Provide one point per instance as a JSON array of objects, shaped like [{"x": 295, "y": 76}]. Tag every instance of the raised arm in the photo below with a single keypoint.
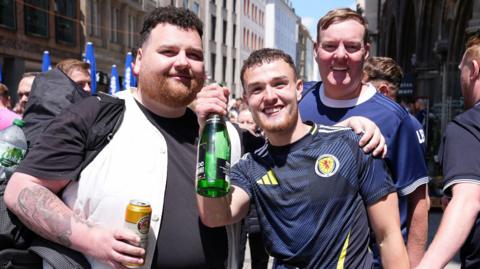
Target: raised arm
[
  {"x": 385, "y": 222},
  {"x": 226, "y": 210},
  {"x": 35, "y": 202}
]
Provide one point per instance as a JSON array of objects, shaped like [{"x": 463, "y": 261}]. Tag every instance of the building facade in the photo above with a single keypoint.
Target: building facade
[
  {"x": 62, "y": 27},
  {"x": 27, "y": 28},
  {"x": 281, "y": 27},
  {"x": 427, "y": 38},
  {"x": 252, "y": 35},
  {"x": 304, "y": 61},
  {"x": 113, "y": 27}
]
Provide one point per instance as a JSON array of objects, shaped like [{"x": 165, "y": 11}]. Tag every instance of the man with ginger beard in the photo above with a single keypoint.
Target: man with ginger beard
[{"x": 152, "y": 157}]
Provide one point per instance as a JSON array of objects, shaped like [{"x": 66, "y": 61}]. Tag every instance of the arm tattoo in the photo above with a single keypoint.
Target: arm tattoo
[{"x": 43, "y": 212}]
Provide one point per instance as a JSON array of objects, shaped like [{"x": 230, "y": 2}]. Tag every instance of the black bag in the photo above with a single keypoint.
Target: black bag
[{"x": 51, "y": 93}]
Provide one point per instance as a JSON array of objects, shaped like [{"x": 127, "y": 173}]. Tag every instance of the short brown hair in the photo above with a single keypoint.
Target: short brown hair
[
  {"x": 473, "y": 48},
  {"x": 383, "y": 68},
  {"x": 339, "y": 15},
  {"x": 266, "y": 55},
  {"x": 68, "y": 65},
  {"x": 3, "y": 90}
]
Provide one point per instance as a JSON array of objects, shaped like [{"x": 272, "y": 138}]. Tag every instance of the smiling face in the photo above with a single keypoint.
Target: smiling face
[
  {"x": 340, "y": 53},
  {"x": 272, "y": 93},
  {"x": 170, "y": 65}
]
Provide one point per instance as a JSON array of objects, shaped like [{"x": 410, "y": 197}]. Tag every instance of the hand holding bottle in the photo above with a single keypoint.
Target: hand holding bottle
[{"x": 212, "y": 99}]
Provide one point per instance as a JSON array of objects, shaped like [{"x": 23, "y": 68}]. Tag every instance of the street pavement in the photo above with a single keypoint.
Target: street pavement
[{"x": 434, "y": 221}]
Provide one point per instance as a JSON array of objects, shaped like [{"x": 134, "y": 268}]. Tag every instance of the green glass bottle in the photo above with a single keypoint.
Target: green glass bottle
[{"x": 213, "y": 161}]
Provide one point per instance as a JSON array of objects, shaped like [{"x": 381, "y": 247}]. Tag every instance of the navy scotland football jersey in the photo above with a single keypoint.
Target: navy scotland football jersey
[{"x": 311, "y": 198}]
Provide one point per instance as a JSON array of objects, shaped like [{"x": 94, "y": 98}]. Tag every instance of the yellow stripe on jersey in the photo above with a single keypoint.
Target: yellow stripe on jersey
[
  {"x": 272, "y": 177},
  {"x": 266, "y": 180},
  {"x": 313, "y": 130},
  {"x": 343, "y": 254}
]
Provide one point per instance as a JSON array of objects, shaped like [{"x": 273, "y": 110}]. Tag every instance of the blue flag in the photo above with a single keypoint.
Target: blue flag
[
  {"x": 90, "y": 58},
  {"x": 130, "y": 80},
  {"x": 46, "y": 64},
  {"x": 1, "y": 77},
  {"x": 114, "y": 82}
]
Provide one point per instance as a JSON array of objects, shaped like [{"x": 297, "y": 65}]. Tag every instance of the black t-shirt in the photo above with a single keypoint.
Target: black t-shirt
[
  {"x": 183, "y": 240},
  {"x": 461, "y": 164}
]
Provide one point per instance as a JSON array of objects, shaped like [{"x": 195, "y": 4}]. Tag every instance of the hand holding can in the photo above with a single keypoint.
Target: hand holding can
[{"x": 137, "y": 219}]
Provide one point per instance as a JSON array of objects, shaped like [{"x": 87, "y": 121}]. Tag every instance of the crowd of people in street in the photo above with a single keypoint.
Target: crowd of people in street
[{"x": 324, "y": 174}]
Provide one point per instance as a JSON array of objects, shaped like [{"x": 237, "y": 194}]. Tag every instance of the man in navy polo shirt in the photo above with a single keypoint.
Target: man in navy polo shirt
[{"x": 459, "y": 153}]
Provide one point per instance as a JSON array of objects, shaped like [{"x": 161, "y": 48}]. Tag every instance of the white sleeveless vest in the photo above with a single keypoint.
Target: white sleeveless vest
[{"x": 121, "y": 172}]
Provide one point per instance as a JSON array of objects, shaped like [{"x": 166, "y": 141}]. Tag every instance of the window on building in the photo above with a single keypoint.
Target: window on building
[
  {"x": 36, "y": 17},
  {"x": 234, "y": 6},
  {"x": 212, "y": 61},
  {"x": 94, "y": 26},
  {"x": 131, "y": 30},
  {"x": 114, "y": 25},
  {"x": 172, "y": 2},
  {"x": 185, "y": 3},
  {"x": 233, "y": 69},
  {"x": 224, "y": 32},
  {"x": 252, "y": 41},
  {"x": 214, "y": 27},
  {"x": 224, "y": 69},
  {"x": 234, "y": 35},
  {"x": 65, "y": 26},
  {"x": 196, "y": 8},
  {"x": 7, "y": 14},
  {"x": 244, "y": 38},
  {"x": 248, "y": 8}
]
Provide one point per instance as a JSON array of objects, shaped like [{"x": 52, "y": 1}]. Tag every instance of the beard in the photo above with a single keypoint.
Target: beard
[
  {"x": 168, "y": 91},
  {"x": 279, "y": 125}
]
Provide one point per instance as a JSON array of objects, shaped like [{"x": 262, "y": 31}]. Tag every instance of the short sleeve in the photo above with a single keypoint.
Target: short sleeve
[
  {"x": 459, "y": 156},
  {"x": 59, "y": 152},
  {"x": 239, "y": 176},
  {"x": 406, "y": 159},
  {"x": 375, "y": 181}
]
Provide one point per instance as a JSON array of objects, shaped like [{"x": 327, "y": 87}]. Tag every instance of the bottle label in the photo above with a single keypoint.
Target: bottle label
[
  {"x": 211, "y": 167},
  {"x": 202, "y": 149},
  {"x": 10, "y": 155}
]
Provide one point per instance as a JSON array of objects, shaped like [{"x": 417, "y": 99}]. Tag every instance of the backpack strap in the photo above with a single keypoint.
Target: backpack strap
[{"x": 111, "y": 111}]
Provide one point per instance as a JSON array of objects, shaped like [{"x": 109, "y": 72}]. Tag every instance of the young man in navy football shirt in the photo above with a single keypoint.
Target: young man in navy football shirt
[{"x": 315, "y": 191}]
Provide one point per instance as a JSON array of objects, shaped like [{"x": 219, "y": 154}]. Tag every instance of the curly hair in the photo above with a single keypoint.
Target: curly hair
[
  {"x": 180, "y": 17},
  {"x": 266, "y": 55}
]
